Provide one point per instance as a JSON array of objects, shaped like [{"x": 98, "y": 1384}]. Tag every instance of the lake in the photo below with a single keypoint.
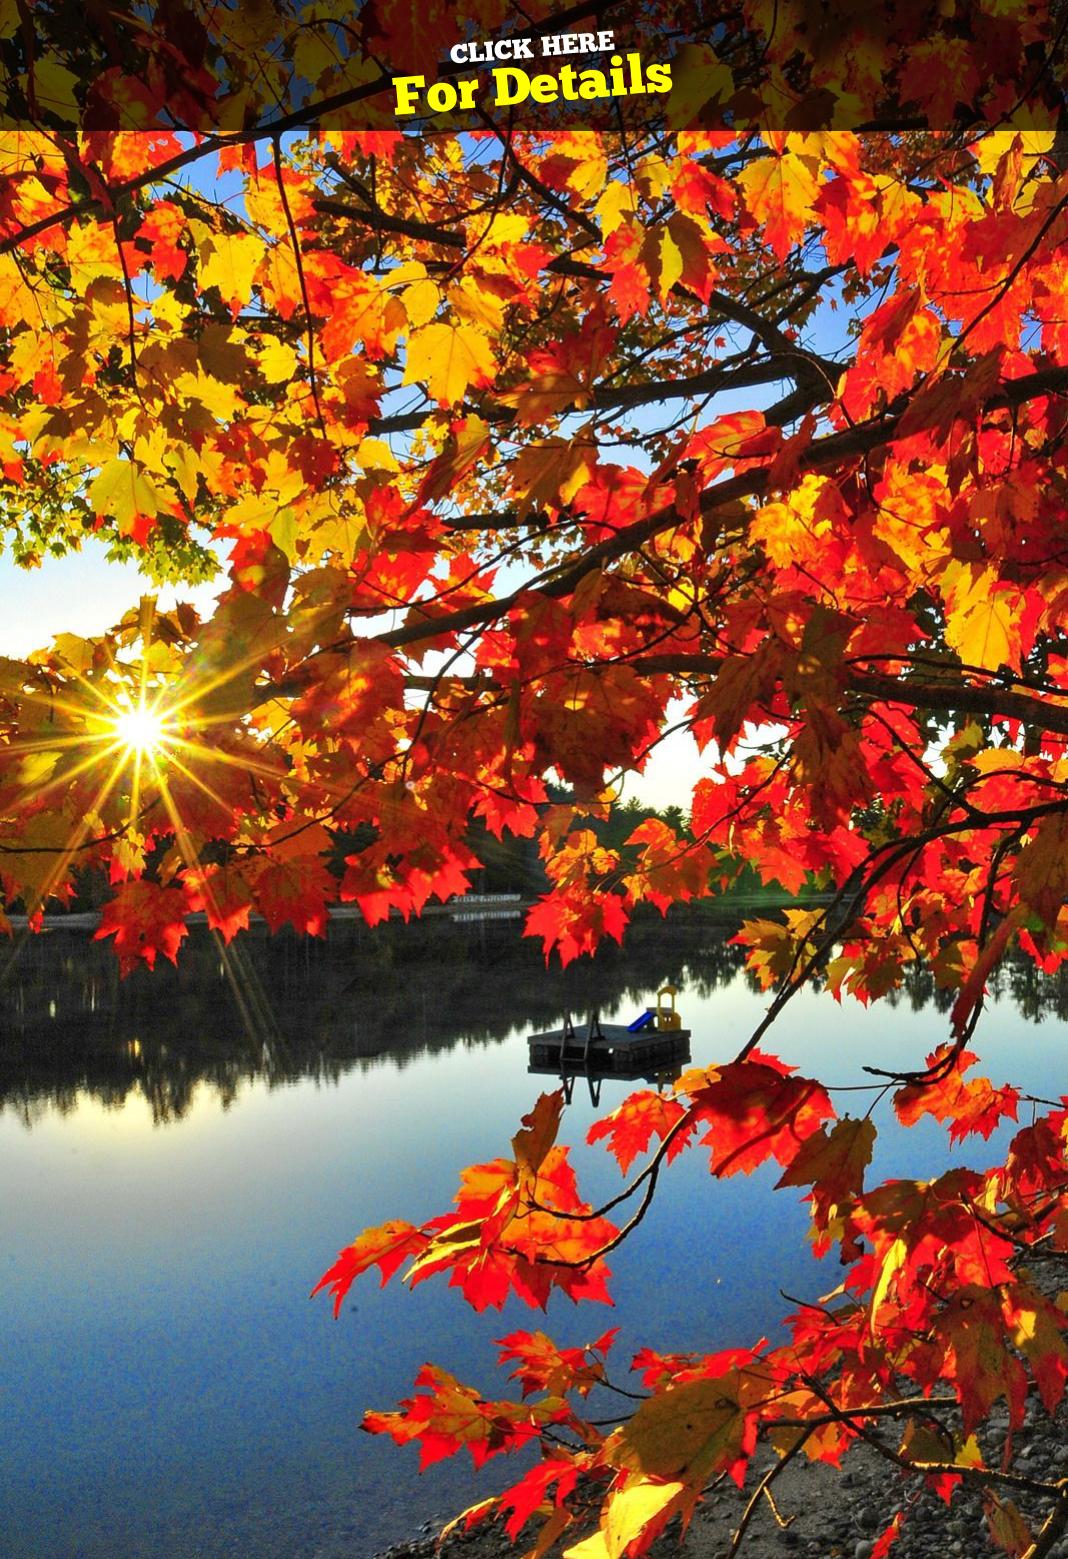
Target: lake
[{"x": 182, "y": 1154}]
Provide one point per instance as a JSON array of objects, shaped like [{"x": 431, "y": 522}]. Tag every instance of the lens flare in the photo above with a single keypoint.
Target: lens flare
[{"x": 143, "y": 732}]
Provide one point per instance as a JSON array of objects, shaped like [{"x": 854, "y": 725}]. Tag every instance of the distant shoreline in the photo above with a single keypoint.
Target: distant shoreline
[{"x": 470, "y": 907}]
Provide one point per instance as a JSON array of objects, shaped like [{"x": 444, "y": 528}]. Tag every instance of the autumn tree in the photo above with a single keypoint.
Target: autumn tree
[{"x": 513, "y": 448}]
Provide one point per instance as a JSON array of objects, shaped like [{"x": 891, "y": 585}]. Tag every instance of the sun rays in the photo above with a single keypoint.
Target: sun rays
[
  {"x": 141, "y": 731},
  {"x": 157, "y": 747}
]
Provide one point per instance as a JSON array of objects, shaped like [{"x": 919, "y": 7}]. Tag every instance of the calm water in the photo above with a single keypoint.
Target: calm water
[{"x": 182, "y": 1155}]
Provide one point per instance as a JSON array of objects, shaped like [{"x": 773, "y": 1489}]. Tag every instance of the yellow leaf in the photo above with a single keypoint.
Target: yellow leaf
[
  {"x": 284, "y": 531},
  {"x": 421, "y": 301},
  {"x": 551, "y": 472},
  {"x": 969, "y": 1454},
  {"x": 150, "y": 448},
  {"x": 277, "y": 362},
  {"x": 670, "y": 263},
  {"x": 779, "y": 192},
  {"x": 688, "y": 1431},
  {"x": 993, "y": 758},
  {"x": 448, "y": 359},
  {"x": 893, "y": 1261},
  {"x": 592, "y": 1547},
  {"x": 229, "y": 261},
  {"x": 374, "y": 454},
  {"x": 630, "y": 1512},
  {"x": 54, "y": 86},
  {"x": 314, "y": 52},
  {"x": 37, "y": 863},
  {"x": 655, "y": 175},
  {"x": 698, "y": 77},
  {"x": 982, "y": 621},
  {"x": 992, "y": 146},
  {"x": 790, "y": 531},
  {"x": 585, "y": 163},
  {"x": 124, "y": 492},
  {"x": 1035, "y": 143},
  {"x": 76, "y": 651},
  {"x": 616, "y": 206},
  {"x": 475, "y": 304},
  {"x": 17, "y": 298},
  {"x": 506, "y": 227},
  {"x": 215, "y": 396}
]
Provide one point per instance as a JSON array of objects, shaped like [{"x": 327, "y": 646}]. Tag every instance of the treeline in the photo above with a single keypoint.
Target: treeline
[{"x": 512, "y": 865}]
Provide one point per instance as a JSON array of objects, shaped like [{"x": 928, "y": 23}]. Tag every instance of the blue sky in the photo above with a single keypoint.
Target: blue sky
[{"x": 81, "y": 593}]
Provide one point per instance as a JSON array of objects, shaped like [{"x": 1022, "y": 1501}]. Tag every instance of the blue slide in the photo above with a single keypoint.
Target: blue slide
[{"x": 647, "y": 1019}]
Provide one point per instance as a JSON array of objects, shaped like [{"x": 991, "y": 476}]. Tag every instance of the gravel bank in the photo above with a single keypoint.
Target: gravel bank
[{"x": 836, "y": 1515}]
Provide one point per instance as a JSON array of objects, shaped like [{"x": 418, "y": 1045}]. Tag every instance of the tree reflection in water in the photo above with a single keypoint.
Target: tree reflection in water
[{"x": 289, "y": 1009}]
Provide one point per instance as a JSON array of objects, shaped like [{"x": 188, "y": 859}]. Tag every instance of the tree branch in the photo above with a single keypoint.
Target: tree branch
[{"x": 821, "y": 454}]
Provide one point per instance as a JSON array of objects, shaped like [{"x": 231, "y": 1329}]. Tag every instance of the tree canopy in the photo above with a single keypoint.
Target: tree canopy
[{"x": 515, "y": 452}]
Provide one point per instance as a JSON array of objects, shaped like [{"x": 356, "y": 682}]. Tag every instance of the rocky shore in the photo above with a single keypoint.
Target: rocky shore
[{"x": 838, "y": 1515}]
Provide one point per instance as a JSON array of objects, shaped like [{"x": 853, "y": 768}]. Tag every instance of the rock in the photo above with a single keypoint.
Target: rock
[{"x": 863, "y": 1548}]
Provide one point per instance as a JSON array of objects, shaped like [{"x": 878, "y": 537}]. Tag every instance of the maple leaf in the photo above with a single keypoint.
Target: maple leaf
[
  {"x": 1006, "y": 1525},
  {"x": 448, "y": 358},
  {"x": 1036, "y": 1327},
  {"x": 754, "y": 1110},
  {"x": 224, "y": 894},
  {"x": 697, "y": 189},
  {"x": 833, "y": 1164},
  {"x": 228, "y": 262},
  {"x": 780, "y": 192},
  {"x": 971, "y": 992},
  {"x": 543, "y": 1366},
  {"x": 1041, "y": 877},
  {"x": 888, "y": 1536},
  {"x": 575, "y": 925},
  {"x": 385, "y": 1247},
  {"x": 161, "y": 231},
  {"x": 145, "y": 920},
  {"x": 630, "y": 1518},
  {"x": 529, "y": 1495},
  {"x": 972, "y": 1349},
  {"x": 689, "y": 1431},
  {"x": 125, "y": 493},
  {"x": 985, "y": 620},
  {"x": 295, "y": 892},
  {"x": 531, "y": 1145},
  {"x": 971, "y": 1106},
  {"x": 631, "y": 1126},
  {"x": 447, "y": 1416}
]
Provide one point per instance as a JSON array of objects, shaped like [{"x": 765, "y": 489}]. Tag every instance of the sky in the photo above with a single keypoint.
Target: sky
[{"x": 81, "y": 593}]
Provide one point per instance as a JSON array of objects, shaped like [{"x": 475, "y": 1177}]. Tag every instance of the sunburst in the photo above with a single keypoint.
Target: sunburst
[{"x": 141, "y": 731}]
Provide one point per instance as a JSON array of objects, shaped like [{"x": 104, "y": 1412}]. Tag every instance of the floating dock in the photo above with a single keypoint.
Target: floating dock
[{"x": 608, "y": 1050}]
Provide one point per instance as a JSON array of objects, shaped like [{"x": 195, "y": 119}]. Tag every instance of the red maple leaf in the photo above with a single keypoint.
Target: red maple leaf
[{"x": 145, "y": 920}]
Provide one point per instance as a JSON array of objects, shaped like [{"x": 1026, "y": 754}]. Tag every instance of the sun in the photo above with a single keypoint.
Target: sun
[{"x": 141, "y": 731}]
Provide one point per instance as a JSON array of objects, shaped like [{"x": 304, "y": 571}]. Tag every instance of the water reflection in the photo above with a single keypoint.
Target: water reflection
[
  {"x": 288, "y": 1009},
  {"x": 168, "y": 1389}
]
